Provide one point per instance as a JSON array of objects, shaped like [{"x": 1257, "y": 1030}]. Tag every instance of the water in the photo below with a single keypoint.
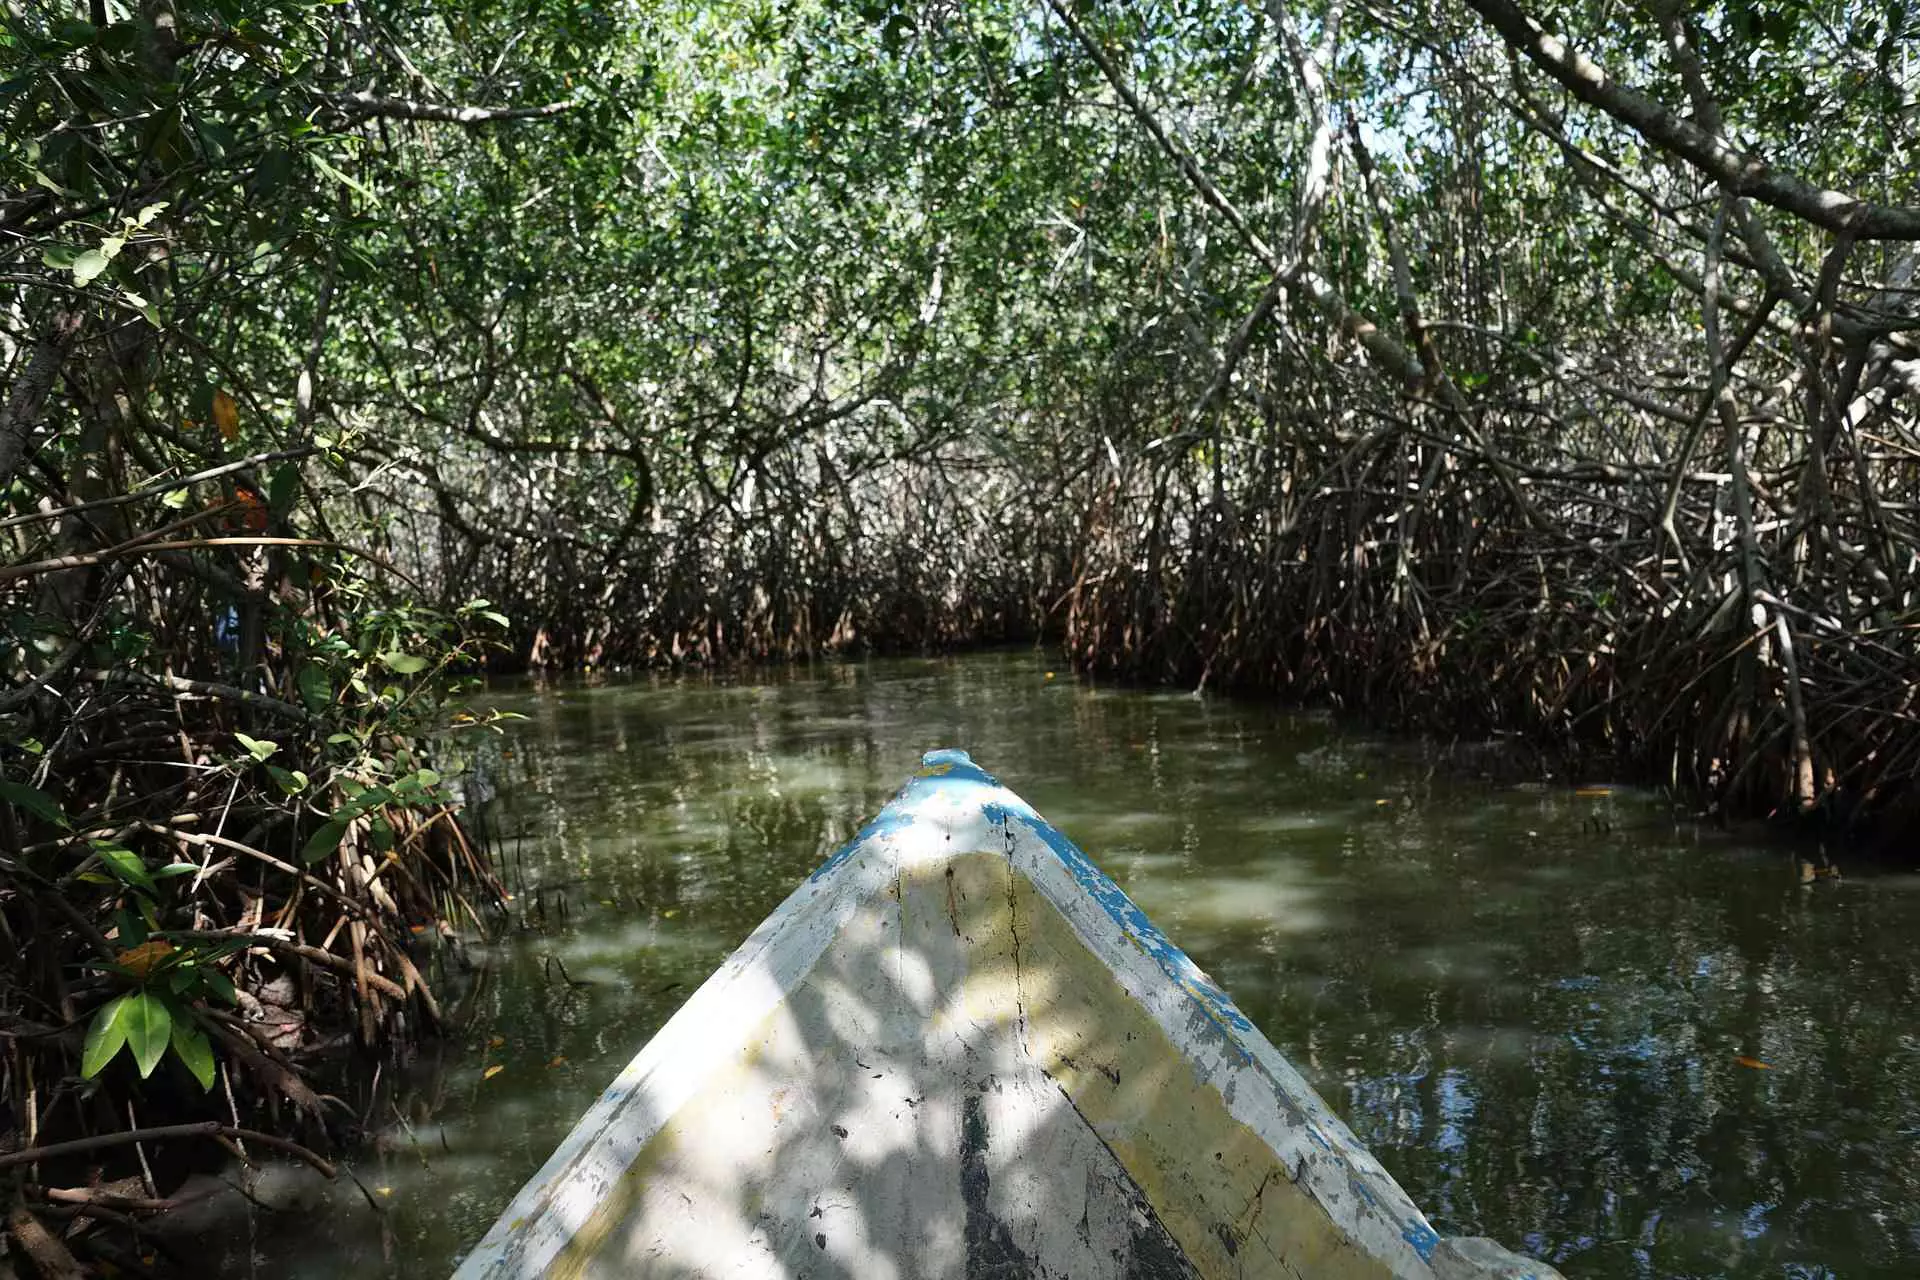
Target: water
[{"x": 1628, "y": 1045}]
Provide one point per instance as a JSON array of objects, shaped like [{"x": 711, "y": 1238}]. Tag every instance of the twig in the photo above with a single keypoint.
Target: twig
[{"x": 163, "y": 1133}]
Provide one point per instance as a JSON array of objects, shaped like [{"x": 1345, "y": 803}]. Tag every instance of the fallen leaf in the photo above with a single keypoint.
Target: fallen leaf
[
  {"x": 1593, "y": 793},
  {"x": 496, "y": 1042},
  {"x": 559, "y": 1060},
  {"x": 1755, "y": 1063},
  {"x": 385, "y": 1191},
  {"x": 492, "y": 1071}
]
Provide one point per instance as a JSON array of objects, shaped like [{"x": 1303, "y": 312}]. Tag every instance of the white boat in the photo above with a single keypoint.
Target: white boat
[{"x": 959, "y": 1050}]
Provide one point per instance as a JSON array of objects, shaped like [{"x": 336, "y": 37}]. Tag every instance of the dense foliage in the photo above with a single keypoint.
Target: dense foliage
[{"x": 1400, "y": 358}]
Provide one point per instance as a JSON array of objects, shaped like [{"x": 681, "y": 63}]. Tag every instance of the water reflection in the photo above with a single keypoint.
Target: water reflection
[{"x": 1559, "y": 1019}]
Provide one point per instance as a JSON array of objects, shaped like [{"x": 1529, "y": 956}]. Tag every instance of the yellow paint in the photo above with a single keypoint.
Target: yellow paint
[
  {"x": 1198, "y": 1166},
  {"x": 1004, "y": 962}
]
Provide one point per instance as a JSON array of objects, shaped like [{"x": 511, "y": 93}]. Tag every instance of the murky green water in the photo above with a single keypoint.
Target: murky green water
[{"x": 1628, "y": 1046}]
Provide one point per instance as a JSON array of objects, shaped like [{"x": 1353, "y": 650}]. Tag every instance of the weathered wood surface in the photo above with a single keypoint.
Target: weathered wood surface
[{"x": 959, "y": 1050}]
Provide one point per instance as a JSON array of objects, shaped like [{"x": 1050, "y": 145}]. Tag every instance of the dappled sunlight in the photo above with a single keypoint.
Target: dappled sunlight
[
  {"x": 1269, "y": 902},
  {"x": 1517, "y": 931},
  {"x": 956, "y": 1031}
]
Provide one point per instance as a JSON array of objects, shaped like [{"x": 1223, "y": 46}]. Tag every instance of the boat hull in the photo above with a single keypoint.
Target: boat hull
[{"x": 959, "y": 1050}]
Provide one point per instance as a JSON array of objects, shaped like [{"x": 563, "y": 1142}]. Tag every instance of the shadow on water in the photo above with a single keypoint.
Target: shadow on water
[{"x": 1564, "y": 1020}]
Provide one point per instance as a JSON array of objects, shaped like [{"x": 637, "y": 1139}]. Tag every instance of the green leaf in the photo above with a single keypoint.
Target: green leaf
[
  {"x": 364, "y": 799},
  {"x": 258, "y": 748},
  {"x": 34, "y": 801},
  {"x": 405, "y": 664},
  {"x": 176, "y": 869},
  {"x": 219, "y": 984},
  {"x": 291, "y": 781},
  {"x": 175, "y": 498},
  {"x": 316, "y": 691},
  {"x": 86, "y": 267},
  {"x": 59, "y": 257},
  {"x": 124, "y": 863},
  {"x": 148, "y": 1026},
  {"x": 343, "y": 179},
  {"x": 130, "y": 928},
  {"x": 149, "y": 213},
  {"x": 281, "y": 487},
  {"x": 190, "y": 1045},
  {"x": 324, "y": 841},
  {"x": 142, "y": 305},
  {"x": 104, "y": 1038}
]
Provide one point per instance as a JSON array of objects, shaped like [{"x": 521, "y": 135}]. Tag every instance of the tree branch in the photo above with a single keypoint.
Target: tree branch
[
  {"x": 366, "y": 105},
  {"x": 1736, "y": 171}
]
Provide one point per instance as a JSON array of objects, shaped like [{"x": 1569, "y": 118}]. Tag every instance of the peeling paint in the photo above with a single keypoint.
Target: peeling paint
[{"x": 1064, "y": 1092}]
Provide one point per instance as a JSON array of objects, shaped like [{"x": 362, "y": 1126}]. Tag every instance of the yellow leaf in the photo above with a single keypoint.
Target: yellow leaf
[
  {"x": 226, "y": 415},
  {"x": 496, "y": 1042},
  {"x": 1755, "y": 1063},
  {"x": 1593, "y": 793},
  {"x": 492, "y": 1071},
  {"x": 559, "y": 1060}
]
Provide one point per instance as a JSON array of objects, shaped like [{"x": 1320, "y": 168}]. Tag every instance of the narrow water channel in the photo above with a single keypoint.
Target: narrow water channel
[{"x": 1631, "y": 1046}]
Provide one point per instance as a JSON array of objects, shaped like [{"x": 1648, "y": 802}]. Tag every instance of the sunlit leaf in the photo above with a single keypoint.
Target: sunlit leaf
[
  {"x": 258, "y": 748},
  {"x": 88, "y": 266},
  {"x": 149, "y": 1026},
  {"x": 125, "y": 864},
  {"x": 343, "y": 179},
  {"x": 492, "y": 1071},
  {"x": 105, "y": 1035}
]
